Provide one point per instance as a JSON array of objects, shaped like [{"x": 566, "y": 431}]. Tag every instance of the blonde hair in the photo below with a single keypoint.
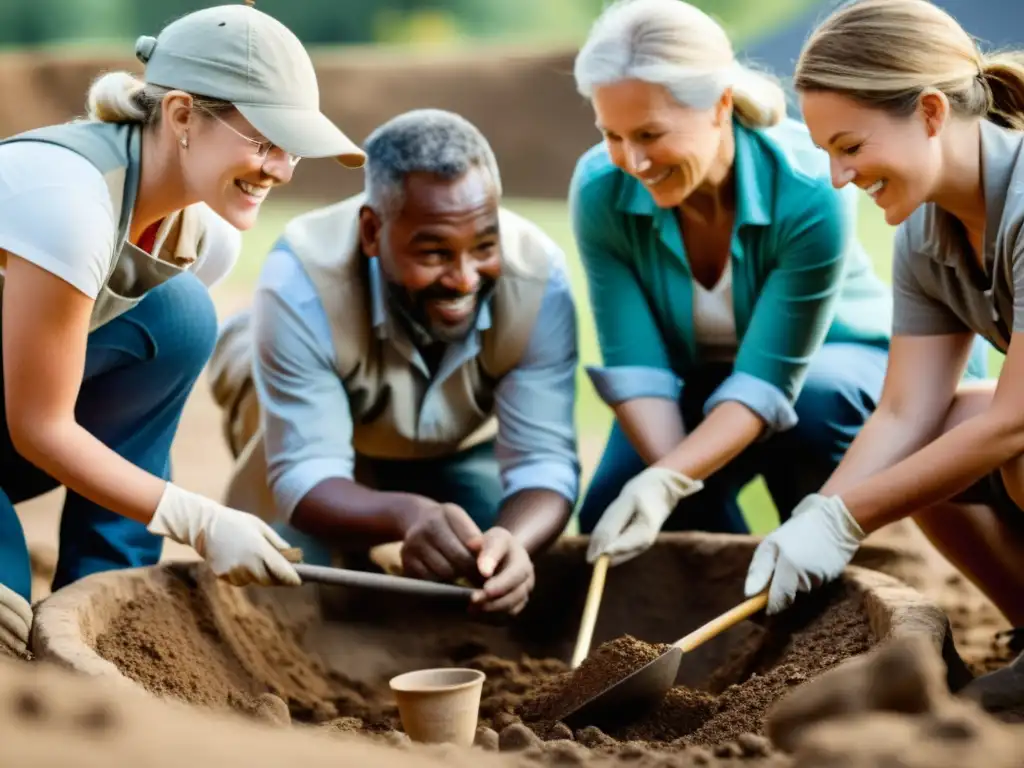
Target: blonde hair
[
  {"x": 886, "y": 53},
  {"x": 678, "y": 46},
  {"x": 120, "y": 97}
]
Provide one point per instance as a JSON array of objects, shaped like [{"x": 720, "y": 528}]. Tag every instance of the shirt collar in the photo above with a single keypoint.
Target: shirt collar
[
  {"x": 754, "y": 179},
  {"x": 382, "y": 319},
  {"x": 1000, "y": 151}
]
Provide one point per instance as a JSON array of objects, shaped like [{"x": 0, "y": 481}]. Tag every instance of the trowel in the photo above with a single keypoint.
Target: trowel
[
  {"x": 642, "y": 689},
  {"x": 368, "y": 580}
]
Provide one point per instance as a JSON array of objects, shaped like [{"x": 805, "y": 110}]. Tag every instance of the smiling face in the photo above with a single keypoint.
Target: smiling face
[
  {"x": 222, "y": 166},
  {"x": 669, "y": 147},
  {"x": 896, "y": 160},
  {"x": 441, "y": 251}
]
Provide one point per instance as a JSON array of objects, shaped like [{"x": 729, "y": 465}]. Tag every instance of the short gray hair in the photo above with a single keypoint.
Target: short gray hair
[{"x": 431, "y": 141}]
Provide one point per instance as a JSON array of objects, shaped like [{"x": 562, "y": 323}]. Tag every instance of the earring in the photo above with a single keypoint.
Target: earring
[{"x": 183, "y": 141}]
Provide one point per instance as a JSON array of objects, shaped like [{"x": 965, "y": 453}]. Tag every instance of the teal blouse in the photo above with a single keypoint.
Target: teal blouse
[{"x": 800, "y": 276}]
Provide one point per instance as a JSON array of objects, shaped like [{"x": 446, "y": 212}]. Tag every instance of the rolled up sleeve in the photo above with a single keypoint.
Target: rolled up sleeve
[
  {"x": 793, "y": 312},
  {"x": 635, "y": 360},
  {"x": 306, "y": 417},
  {"x": 627, "y": 382},
  {"x": 536, "y": 443}
]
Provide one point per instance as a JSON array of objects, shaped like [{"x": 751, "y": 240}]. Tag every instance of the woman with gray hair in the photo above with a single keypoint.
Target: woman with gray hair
[
  {"x": 742, "y": 329},
  {"x": 111, "y": 230}
]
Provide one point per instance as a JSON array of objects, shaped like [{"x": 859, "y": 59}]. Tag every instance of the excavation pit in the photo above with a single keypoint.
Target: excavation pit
[{"x": 322, "y": 657}]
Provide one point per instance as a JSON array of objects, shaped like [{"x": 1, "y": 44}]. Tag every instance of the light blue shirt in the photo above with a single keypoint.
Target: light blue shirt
[{"x": 307, "y": 420}]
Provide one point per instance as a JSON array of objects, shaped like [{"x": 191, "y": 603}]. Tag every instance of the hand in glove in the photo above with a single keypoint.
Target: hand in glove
[
  {"x": 632, "y": 522},
  {"x": 15, "y": 623},
  {"x": 238, "y": 546},
  {"x": 809, "y": 549}
]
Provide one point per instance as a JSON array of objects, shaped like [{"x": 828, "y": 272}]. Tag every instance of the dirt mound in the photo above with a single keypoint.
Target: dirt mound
[
  {"x": 210, "y": 647},
  {"x": 890, "y": 707},
  {"x": 859, "y": 715},
  {"x": 51, "y": 717},
  {"x": 902, "y": 551},
  {"x": 732, "y": 707},
  {"x": 319, "y": 660}
]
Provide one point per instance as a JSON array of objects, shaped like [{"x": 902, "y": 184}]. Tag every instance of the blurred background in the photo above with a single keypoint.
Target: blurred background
[{"x": 506, "y": 65}]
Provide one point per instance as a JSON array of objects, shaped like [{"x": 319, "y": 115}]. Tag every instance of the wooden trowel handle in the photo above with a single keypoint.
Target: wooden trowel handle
[
  {"x": 718, "y": 625},
  {"x": 590, "y": 610}
]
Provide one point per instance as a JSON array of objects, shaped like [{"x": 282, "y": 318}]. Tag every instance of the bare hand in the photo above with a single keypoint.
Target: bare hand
[
  {"x": 506, "y": 565},
  {"x": 436, "y": 546}
]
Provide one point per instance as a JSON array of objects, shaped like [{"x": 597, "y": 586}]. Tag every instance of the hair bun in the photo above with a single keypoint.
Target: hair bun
[{"x": 144, "y": 48}]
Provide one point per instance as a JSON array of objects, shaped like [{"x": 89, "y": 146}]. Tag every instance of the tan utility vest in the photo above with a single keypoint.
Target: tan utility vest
[
  {"x": 385, "y": 385},
  {"x": 115, "y": 150}
]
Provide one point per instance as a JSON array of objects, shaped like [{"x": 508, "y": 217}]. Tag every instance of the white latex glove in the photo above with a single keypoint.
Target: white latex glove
[
  {"x": 632, "y": 522},
  {"x": 809, "y": 549},
  {"x": 15, "y": 622},
  {"x": 238, "y": 546}
]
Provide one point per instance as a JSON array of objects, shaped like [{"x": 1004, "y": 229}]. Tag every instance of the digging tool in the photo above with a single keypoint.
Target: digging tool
[
  {"x": 640, "y": 690},
  {"x": 366, "y": 580},
  {"x": 590, "y": 609}
]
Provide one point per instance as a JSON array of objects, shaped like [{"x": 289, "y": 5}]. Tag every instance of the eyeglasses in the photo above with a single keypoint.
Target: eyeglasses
[{"x": 262, "y": 147}]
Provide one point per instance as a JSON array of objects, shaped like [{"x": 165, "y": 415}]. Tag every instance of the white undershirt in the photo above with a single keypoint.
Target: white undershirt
[
  {"x": 55, "y": 212},
  {"x": 714, "y": 325}
]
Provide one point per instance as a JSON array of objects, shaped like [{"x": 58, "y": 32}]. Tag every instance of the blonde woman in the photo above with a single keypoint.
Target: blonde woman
[
  {"x": 111, "y": 230},
  {"x": 742, "y": 329},
  {"x": 910, "y": 111}
]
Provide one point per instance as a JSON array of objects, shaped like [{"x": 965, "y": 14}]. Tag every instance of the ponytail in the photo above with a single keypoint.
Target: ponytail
[
  {"x": 119, "y": 97},
  {"x": 1003, "y": 76},
  {"x": 758, "y": 99}
]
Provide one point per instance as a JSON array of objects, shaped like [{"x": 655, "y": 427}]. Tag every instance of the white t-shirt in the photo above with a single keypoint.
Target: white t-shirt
[
  {"x": 714, "y": 325},
  {"x": 55, "y": 211}
]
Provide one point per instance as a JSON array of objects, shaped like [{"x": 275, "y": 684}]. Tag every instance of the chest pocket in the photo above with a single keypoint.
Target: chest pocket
[{"x": 135, "y": 272}]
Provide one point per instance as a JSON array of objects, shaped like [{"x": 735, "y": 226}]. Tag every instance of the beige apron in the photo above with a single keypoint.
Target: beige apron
[{"x": 116, "y": 152}]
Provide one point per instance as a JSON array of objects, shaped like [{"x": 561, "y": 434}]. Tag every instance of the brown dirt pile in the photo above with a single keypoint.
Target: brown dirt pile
[
  {"x": 51, "y": 717},
  {"x": 790, "y": 650},
  {"x": 612, "y": 662},
  {"x": 890, "y": 707},
  {"x": 213, "y": 648}
]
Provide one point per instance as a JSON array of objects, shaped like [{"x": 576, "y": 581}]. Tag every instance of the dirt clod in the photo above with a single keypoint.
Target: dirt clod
[
  {"x": 486, "y": 738},
  {"x": 29, "y": 705},
  {"x": 753, "y": 745},
  {"x": 517, "y": 737},
  {"x": 503, "y": 720},
  {"x": 272, "y": 709},
  {"x": 97, "y": 718},
  {"x": 593, "y": 737}
]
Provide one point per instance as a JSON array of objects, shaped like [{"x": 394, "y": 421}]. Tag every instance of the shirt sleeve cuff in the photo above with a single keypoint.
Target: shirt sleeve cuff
[
  {"x": 627, "y": 382},
  {"x": 298, "y": 480},
  {"x": 559, "y": 476},
  {"x": 764, "y": 399}
]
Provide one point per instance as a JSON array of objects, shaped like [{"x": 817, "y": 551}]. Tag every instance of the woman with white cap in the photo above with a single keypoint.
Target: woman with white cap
[{"x": 111, "y": 231}]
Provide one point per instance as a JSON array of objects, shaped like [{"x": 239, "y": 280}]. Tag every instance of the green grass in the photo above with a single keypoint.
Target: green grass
[{"x": 593, "y": 417}]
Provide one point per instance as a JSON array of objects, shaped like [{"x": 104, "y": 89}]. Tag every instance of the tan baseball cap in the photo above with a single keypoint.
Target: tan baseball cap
[{"x": 241, "y": 55}]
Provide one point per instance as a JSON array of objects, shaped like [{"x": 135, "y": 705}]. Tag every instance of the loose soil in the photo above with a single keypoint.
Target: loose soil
[
  {"x": 219, "y": 652},
  {"x": 736, "y": 697}
]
